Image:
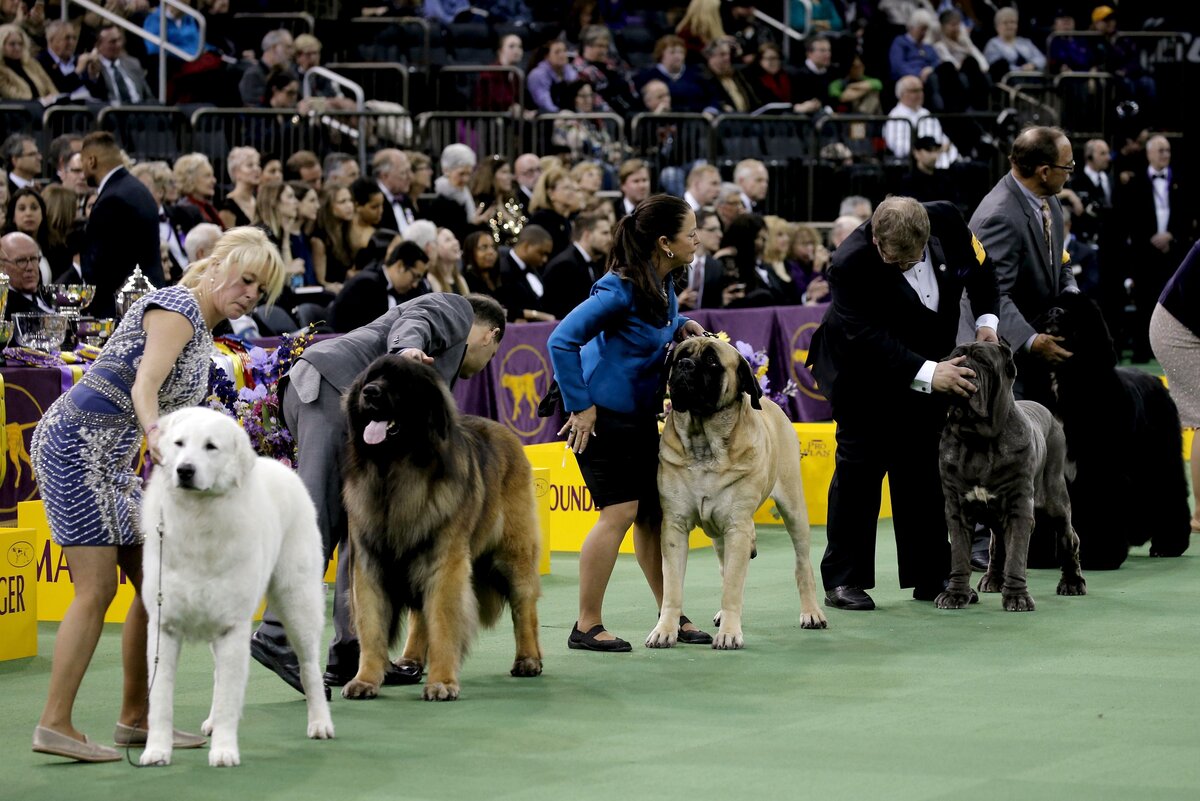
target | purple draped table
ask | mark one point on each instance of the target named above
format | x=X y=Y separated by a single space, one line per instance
x=510 y=387
x=28 y=392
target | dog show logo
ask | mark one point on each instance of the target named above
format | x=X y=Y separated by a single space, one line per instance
x=524 y=377
x=798 y=347
x=20 y=553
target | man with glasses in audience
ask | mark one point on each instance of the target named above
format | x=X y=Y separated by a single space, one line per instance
x=19 y=260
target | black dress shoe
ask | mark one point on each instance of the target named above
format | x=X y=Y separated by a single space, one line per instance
x=847 y=597
x=980 y=562
x=279 y=658
x=394 y=675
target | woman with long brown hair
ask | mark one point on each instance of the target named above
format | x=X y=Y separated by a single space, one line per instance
x=612 y=425
x=331 y=239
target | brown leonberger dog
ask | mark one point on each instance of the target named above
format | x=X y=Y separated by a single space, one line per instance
x=442 y=524
x=725 y=449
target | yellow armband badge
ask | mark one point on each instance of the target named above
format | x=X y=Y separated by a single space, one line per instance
x=980 y=253
x=1066 y=257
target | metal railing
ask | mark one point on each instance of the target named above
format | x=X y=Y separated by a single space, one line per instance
x=376 y=78
x=785 y=28
x=599 y=136
x=158 y=40
x=468 y=75
x=360 y=99
x=482 y=131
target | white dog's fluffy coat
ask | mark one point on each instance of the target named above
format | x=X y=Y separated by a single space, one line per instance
x=234 y=526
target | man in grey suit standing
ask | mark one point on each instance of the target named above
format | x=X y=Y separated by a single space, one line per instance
x=458 y=336
x=1020 y=225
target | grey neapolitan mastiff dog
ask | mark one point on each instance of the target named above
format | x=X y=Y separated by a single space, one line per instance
x=1001 y=461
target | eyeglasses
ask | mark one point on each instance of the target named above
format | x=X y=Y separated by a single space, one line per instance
x=26 y=261
x=1067 y=168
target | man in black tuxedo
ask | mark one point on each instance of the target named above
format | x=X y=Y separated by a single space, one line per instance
x=1094 y=186
x=369 y=295
x=896 y=283
x=526 y=170
x=569 y=276
x=521 y=290
x=122 y=231
x=19 y=257
x=392 y=170
x=1158 y=226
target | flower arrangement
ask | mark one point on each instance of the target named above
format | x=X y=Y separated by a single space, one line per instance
x=759 y=362
x=256 y=406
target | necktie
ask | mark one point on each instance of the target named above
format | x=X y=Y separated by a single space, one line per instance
x=1046 y=225
x=1104 y=188
x=124 y=94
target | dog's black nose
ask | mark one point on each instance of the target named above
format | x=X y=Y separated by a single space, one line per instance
x=185 y=473
x=372 y=392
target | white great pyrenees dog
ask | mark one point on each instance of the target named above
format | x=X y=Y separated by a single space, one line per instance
x=223 y=526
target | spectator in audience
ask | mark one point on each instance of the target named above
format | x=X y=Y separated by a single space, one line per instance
x=753 y=283
x=552 y=69
x=240 y=206
x=23 y=158
x=1067 y=53
x=703 y=186
x=21 y=76
x=925 y=181
x=494 y=190
x=278 y=210
x=752 y=180
x=856 y=205
x=331 y=238
x=589 y=177
x=584 y=138
x=706 y=267
x=569 y=276
x=445 y=273
x=656 y=97
x=1094 y=185
x=124 y=76
x=303 y=165
x=283 y=93
x=422 y=176
x=521 y=290
x=308 y=205
x=19 y=259
x=78 y=76
x=61 y=148
x=739 y=21
x=856 y=93
x=272 y=171
x=811 y=92
x=963 y=71
x=1084 y=260
x=911 y=54
x=527 y=169
x=325 y=94
x=122 y=231
x=368 y=295
x=1121 y=56
x=807 y=260
x=479 y=263
x=604 y=74
x=555 y=200
x=70 y=174
x=454 y=208
x=701 y=25
x=368 y=211
x=157 y=177
x=823 y=15
x=27 y=215
x=728 y=90
x=842 y=228
x=634 y=180
x=1006 y=52
x=196 y=183
x=772 y=79
x=200 y=241
x=911 y=113
x=775 y=254
x=729 y=204
x=3 y=197
x=684 y=81
x=341 y=169
x=496 y=90
x=392 y=172
x=278 y=50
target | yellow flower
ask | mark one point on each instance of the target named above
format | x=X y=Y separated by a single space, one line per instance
x=761 y=371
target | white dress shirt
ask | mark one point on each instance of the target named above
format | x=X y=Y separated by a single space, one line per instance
x=531 y=277
x=1161 y=187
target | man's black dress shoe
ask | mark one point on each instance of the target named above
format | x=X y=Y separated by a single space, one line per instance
x=847 y=597
x=279 y=658
x=394 y=675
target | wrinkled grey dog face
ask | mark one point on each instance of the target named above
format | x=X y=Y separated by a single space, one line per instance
x=994 y=373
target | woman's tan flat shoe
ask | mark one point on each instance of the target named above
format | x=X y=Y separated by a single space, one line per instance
x=46 y=741
x=125 y=736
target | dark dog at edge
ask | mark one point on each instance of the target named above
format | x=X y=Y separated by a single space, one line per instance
x=1001 y=461
x=442 y=523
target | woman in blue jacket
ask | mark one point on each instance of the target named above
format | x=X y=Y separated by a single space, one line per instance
x=609 y=355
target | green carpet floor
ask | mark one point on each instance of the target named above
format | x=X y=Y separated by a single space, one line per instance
x=1086 y=698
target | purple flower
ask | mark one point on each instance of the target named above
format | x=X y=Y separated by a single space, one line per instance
x=746 y=351
x=252 y=394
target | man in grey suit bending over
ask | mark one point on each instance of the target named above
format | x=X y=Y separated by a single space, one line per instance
x=458 y=336
x=1020 y=224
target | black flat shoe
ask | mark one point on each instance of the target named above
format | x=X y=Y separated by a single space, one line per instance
x=847 y=597
x=580 y=641
x=280 y=659
x=393 y=676
x=692 y=637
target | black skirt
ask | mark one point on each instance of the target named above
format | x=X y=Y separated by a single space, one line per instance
x=620 y=463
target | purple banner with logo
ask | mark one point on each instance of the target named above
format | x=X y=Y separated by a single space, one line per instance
x=28 y=392
x=794 y=328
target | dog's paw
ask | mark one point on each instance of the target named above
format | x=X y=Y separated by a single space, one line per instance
x=157 y=757
x=356 y=689
x=813 y=620
x=224 y=757
x=1019 y=602
x=321 y=729
x=526 y=667
x=1072 y=587
x=206 y=728
x=991 y=583
x=437 y=691
x=662 y=636
x=954 y=600
x=728 y=641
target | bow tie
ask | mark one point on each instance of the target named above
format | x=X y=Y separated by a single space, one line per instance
x=1159 y=176
x=163 y=217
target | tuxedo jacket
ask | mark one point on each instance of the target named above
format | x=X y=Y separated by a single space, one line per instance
x=568 y=280
x=515 y=293
x=877 y=334
x=1093 y=223
x=388 y=220
x=121 y=233
x=1029 y=281
x=1136 y=215
x=363 y=299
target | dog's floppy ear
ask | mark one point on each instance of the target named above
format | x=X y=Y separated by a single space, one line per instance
x=981 y=402
x=439 y=412
x=245 y=456
x=748 y=383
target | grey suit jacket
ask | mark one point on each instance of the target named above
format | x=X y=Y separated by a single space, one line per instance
x=1029 y=281
x=137 y=73
x=437 y=324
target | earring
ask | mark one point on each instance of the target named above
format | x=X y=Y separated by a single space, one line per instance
x=670 y=254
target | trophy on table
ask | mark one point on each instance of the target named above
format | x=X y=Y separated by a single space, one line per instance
x=42 y=332
x=133 y=290
x=70 y=300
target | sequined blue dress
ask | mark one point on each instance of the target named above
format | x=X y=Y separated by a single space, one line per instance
x=84 y=446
